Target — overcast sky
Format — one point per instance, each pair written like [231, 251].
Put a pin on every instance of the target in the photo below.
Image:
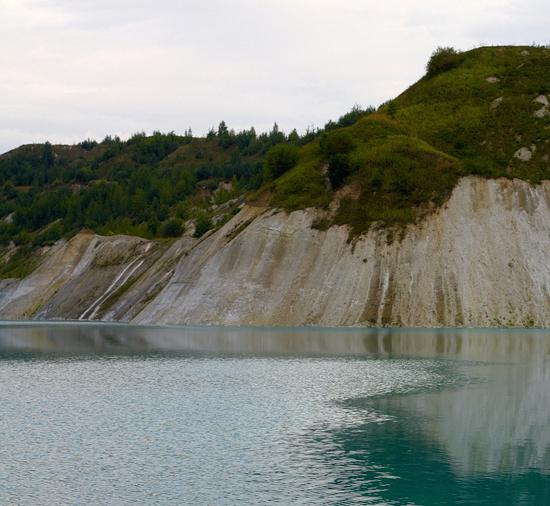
[72, 69]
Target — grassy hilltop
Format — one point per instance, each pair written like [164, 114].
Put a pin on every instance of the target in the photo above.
[482, 112]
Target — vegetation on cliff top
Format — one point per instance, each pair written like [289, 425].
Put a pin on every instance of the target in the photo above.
[146, 186]
[483, 112]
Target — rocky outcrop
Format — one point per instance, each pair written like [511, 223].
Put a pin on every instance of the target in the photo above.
[75, 278]
[481, 260]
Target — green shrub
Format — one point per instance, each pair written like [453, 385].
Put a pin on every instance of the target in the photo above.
[171, 228]
[281, 158]
[442, 59]
[203, 224]
[336, 143]
[339, 169]
[302, 187]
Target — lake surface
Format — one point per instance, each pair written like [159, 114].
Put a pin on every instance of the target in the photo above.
[113, 414]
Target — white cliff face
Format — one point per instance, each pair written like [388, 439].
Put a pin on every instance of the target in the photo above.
[481, 260]
[72, 276]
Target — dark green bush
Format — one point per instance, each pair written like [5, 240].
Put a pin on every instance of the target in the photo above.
[350, 118]
[281, 158]
[443, 59]
[202, 225]
[171, 228]
[88, 144]
[339, 169]
[392, 109]
[338, 142]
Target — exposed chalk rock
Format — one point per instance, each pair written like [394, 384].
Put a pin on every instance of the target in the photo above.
[543, 111]
[496, 102]
[524, 154]
[483, 259]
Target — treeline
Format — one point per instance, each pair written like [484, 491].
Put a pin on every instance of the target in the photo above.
[146, 185]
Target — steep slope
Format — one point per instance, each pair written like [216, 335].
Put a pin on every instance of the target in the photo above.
[481, 260]
[75, 277]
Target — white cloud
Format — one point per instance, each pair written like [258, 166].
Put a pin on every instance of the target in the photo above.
[76, 68]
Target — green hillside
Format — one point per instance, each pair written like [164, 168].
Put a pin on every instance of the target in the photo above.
[481, 112]
[141, 186]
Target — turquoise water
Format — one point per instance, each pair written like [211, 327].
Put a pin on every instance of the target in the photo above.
[113, 415]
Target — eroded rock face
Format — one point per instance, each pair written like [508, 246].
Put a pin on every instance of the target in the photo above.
[73, 275]
[481, 260]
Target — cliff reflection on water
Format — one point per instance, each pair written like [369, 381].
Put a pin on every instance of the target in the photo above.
[476, 431]
[466, 344]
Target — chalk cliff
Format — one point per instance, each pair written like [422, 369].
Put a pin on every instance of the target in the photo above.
[483, 259]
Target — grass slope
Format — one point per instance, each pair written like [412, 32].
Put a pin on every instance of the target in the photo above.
[472, 118]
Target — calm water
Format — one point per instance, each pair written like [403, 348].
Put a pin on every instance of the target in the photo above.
[98, 414]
